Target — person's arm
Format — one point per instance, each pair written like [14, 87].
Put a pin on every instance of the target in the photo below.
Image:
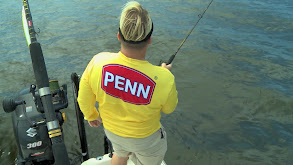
[86, 98]
[172, 100]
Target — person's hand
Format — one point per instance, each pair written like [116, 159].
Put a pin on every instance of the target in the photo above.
[94, 123]
[169, 67]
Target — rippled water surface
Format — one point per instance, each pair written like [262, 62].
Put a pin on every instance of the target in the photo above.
[234, 74]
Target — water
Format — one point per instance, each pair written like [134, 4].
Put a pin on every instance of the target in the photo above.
[234, 73]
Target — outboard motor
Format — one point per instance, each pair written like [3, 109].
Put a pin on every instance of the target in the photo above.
[37, 121]
[29, 122]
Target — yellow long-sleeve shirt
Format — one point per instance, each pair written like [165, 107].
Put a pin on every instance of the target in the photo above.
[131, 94]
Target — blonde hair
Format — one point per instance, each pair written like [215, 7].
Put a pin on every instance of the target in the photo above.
[135, 22]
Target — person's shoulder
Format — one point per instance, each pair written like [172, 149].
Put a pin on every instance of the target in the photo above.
[163, 72]
[104, 56]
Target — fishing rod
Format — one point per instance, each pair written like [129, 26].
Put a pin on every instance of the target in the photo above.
[80, 118]
[200, 17]
[42, 81]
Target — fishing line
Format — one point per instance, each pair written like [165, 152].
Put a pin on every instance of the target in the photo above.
[200, 16]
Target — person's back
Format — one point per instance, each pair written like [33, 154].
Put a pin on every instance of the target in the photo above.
[130, 91]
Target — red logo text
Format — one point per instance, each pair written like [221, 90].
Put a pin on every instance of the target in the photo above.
[127, 84]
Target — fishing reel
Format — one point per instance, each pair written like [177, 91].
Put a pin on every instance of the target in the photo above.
[59, 98]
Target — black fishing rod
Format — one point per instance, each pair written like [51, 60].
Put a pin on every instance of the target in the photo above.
[80, 118]
[200, 16]
[42, 80]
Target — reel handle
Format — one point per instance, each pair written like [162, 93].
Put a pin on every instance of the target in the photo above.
[9, 104]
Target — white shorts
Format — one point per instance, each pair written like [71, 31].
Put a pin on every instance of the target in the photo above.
[142, 151]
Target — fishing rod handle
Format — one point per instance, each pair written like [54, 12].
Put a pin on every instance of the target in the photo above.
[60, 152]
[171, 59]
[39, 66]
[42, 80]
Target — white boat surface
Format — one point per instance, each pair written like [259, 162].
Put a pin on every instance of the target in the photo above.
[106, 160]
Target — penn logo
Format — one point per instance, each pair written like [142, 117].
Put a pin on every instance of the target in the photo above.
[128, 84]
